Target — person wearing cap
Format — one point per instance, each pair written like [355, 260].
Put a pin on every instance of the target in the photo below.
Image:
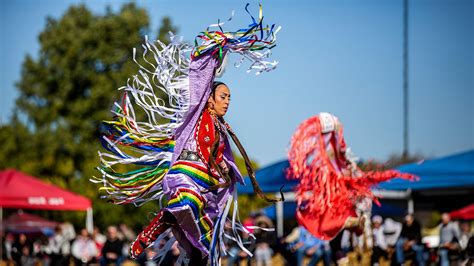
[380, 244]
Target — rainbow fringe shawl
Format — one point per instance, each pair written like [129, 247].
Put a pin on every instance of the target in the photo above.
[139, 153]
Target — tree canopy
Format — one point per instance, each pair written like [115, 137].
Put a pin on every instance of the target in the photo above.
[65, 91]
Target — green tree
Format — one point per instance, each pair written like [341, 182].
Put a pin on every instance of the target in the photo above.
[166, 27]
[65, 92]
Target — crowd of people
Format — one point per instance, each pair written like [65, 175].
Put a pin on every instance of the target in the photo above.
[64, 247]
[390, 241]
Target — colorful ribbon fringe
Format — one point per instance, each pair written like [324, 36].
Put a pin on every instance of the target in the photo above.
[247, 41]
[139, 153]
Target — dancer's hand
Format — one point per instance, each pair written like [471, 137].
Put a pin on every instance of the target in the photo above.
[224, 167]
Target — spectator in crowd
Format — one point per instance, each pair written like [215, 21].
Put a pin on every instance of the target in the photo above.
[68, 232]
[234, 253]
[288, 243]
[112, 250]
[84, 249]
[264, 239]
[21, 250]
[327, 253]
[464, 239]
[357, 242]
[470, 252]
[7, 247]
[40, 250]
[410, 239]
[59, 247]
[379, 249]
[99, 240]
[249, 222]
[127, 235]
[335, 248]
[348, 242]
[308, 245]
[170, 258]
[448, 237]
[391, 230]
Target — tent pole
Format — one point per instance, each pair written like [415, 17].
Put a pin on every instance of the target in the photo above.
[89, 220]
[411, 206]
[279, 218]
[411, 202]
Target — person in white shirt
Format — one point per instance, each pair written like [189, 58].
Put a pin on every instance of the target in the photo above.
[391, 230]
[84, 249]
[380, 243]
[59, 247]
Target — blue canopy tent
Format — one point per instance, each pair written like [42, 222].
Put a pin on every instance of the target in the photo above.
[446, 176]
[270, 178]
[453, 171]
[289, 209]
[441, 180]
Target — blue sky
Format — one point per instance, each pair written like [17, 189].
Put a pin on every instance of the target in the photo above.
[338, 56]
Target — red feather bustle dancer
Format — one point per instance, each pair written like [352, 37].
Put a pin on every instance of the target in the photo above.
[333, 192]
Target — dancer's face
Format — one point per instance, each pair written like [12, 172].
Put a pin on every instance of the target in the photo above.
[220, 101]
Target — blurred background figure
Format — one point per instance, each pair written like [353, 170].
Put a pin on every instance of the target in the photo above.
[127, 235]
[410, 240]
[68, 232]
[347, 244]
[59, 247]
[112, 250]
[308, 245]
[379, 249]
[171, 258]
[249, 222]
[84, 249]
[40, 250]
[391, 231]
[8, 248]
[99, 240]
[265, 239]
[236, 256]
[469, 252]
[448, 237]
[148, 257]
[287, 243]
[464, 238]
[21, 251]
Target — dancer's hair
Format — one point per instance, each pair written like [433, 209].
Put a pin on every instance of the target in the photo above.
[216, 84]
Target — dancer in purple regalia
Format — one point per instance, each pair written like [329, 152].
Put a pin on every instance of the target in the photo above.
[180, 154]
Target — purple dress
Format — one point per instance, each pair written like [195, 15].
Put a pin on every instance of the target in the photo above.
[184, 185]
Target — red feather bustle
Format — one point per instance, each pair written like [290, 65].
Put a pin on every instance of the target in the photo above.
[331, 185]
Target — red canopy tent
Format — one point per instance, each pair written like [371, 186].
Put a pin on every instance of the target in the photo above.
[27, 223]
[466, 213]
[21, 191]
